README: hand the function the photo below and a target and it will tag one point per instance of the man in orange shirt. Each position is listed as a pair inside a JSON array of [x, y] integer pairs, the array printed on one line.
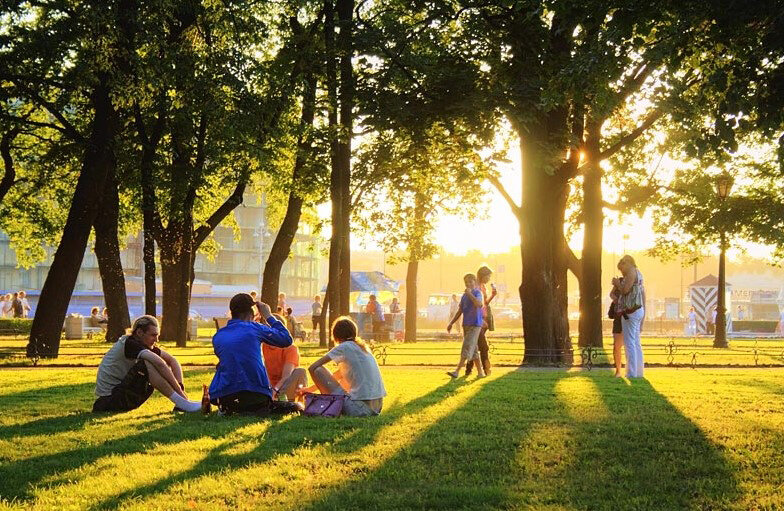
[[284, 375]]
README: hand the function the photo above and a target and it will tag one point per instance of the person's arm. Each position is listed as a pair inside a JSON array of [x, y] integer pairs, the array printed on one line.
[[476, 301], [318, 363], [163, 369], [276, 334], [174, 366], [628, 282], [454, 320], [493, 295]]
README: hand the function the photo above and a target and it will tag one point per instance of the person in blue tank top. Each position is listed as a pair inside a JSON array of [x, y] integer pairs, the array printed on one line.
[[241, 384]]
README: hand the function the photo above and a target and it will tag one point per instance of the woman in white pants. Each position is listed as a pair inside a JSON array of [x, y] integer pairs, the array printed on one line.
[[633, 301]]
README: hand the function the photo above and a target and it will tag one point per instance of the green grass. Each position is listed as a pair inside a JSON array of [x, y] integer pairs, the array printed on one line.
[[507, 351], [549, 439]]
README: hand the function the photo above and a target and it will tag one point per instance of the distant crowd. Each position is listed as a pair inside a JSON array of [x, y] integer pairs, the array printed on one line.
[[14, 305]]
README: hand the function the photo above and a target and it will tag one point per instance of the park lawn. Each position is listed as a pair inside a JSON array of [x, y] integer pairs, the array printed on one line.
[[544, 439], [505, 352]]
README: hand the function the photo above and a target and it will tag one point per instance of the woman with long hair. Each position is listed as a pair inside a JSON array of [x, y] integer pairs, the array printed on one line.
[[632, 311], [358, 375]]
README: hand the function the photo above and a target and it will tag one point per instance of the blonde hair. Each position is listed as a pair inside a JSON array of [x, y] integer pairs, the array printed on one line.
[[144, 322], [344, 329], [628, 259]]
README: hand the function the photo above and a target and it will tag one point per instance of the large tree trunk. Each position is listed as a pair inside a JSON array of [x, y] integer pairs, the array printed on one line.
[[345, 9], [56, 293], [590, 326], [107, 251], [148, 256], [411, 300], [543, 292], [281, 247], [335, 246], [176, 272]]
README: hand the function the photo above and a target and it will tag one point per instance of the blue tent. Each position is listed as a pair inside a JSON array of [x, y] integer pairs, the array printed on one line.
[[371, 282]]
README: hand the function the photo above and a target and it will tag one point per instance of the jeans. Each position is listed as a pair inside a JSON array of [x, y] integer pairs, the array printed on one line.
[[632, 324]]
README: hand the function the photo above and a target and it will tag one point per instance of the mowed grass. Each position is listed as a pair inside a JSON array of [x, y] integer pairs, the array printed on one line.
[[506, 351], [539, 439]]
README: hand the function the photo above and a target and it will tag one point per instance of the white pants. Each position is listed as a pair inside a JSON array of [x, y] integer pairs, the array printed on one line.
[[632, 343]]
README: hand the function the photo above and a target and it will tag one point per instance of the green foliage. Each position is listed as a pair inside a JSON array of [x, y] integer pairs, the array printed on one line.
[[409, 179], [17, 326]]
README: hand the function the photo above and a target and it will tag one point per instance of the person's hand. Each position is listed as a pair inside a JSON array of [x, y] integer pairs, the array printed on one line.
[[449, 328], [264, 309], [495, 291]]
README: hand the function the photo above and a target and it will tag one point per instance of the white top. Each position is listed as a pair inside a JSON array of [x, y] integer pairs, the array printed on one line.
[[25, 307], [360, 370], [692, 317]]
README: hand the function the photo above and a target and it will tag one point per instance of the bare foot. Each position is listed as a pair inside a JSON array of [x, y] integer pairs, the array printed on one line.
[[618, 374]]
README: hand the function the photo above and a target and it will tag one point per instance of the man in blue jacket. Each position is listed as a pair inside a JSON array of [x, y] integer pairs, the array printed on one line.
[[240, 384]]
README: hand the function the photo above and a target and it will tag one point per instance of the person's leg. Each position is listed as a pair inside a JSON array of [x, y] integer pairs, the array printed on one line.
[[297, 378], [484, 350], [638, 358], [160, 384], [471, 350], [617, 348], [466, 352], [628, 342], [325, 382]]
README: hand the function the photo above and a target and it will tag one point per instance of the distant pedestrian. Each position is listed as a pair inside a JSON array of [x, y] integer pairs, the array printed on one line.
[[376, 311], [741, 313], [471, 305], [8, 311], [483, 278], [2, 306], [632, 302], [617, 330], [394, 307], [17, 309], [25, 304], [315, 315], [692, 330], [282, 305]]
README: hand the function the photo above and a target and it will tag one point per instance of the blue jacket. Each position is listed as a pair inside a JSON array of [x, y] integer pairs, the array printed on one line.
[[240, 363]]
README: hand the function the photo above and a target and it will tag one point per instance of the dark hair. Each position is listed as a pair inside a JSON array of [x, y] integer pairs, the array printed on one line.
[[241, 305], [289, 310], [344, 329], [469, 275]]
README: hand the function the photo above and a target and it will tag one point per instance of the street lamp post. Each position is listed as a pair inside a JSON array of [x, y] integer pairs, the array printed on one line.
[[723, 187]]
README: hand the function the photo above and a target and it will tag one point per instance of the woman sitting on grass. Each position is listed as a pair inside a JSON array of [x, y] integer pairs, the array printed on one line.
[[357, 376]]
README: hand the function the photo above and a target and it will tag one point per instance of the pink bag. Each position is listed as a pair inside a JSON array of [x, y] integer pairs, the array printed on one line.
[[324, 405]]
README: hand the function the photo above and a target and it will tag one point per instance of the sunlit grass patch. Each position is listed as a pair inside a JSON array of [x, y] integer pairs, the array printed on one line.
[[519, 439]]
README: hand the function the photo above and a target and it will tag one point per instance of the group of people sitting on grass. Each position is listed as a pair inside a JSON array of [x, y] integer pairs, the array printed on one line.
[[257, 371]]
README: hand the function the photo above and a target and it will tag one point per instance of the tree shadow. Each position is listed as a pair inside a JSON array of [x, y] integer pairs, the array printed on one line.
[[514, 444]]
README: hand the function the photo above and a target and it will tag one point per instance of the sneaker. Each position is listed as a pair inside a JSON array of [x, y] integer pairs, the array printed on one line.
[[453, 375]]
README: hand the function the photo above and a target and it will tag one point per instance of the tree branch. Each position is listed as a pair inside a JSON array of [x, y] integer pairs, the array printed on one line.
[[572, 262], [234, 200], [632, 135], [516, 209]]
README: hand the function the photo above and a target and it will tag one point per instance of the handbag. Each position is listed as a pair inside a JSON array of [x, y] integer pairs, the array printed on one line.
[[632, 300], [611, 311], [490, 319], [324, 405]]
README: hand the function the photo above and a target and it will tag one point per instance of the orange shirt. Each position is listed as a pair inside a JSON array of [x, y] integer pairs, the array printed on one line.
[[275, 358]]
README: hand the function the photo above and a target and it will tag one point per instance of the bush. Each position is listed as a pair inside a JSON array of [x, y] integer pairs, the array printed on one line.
[[15, 326]]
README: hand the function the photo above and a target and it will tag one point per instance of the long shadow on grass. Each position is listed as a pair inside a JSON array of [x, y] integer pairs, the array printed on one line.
[[283, 437], [514, 444], [645, 454]]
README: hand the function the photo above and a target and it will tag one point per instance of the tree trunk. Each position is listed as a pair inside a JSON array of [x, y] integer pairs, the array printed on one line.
[[281, 247], [107, 251], [590, 326], [411, 300], [56, 293], [176, 273], [345, 10], [543, 292], [324, 341], [148, 256]]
